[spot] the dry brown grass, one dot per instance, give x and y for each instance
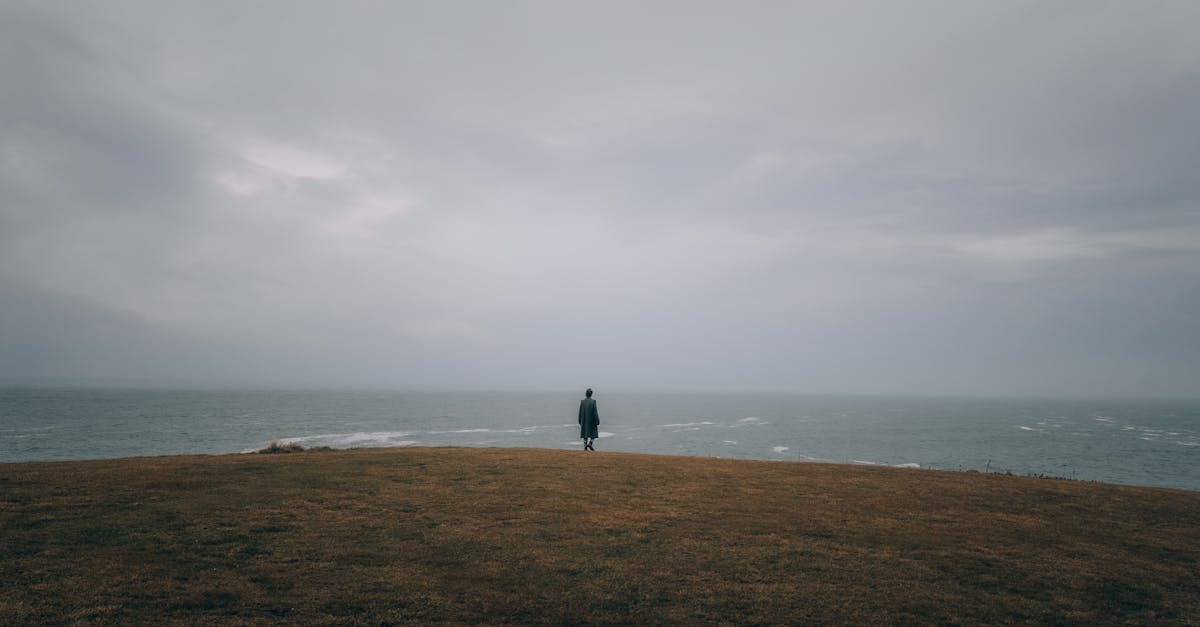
(543, 536)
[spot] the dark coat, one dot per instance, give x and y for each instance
(589, 419)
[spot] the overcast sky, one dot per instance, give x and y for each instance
(877, 197)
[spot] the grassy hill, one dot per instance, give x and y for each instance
(543, 536)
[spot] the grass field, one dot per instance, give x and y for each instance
(543, 536)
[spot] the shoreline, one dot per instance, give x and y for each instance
(846, 464)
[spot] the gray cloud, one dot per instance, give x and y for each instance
(864, 197)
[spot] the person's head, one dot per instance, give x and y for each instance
(589, 392)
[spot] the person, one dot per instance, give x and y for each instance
(589, 421)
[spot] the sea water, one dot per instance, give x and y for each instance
(1142, 442)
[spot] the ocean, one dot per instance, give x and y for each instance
(1140, 442)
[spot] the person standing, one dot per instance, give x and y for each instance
(589, 421)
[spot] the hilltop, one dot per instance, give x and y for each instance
(545, 536)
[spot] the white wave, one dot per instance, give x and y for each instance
(605, 434)
(1028, 428)
(349, 440)
(358, 440)
(540, 427)
(1189, 443)
(379, 436)
(1103, 419)
(908, 465)
(865, 463)
(779, 449)
(689, 424)
(751, 419)
(460, 431)
(729, 441)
